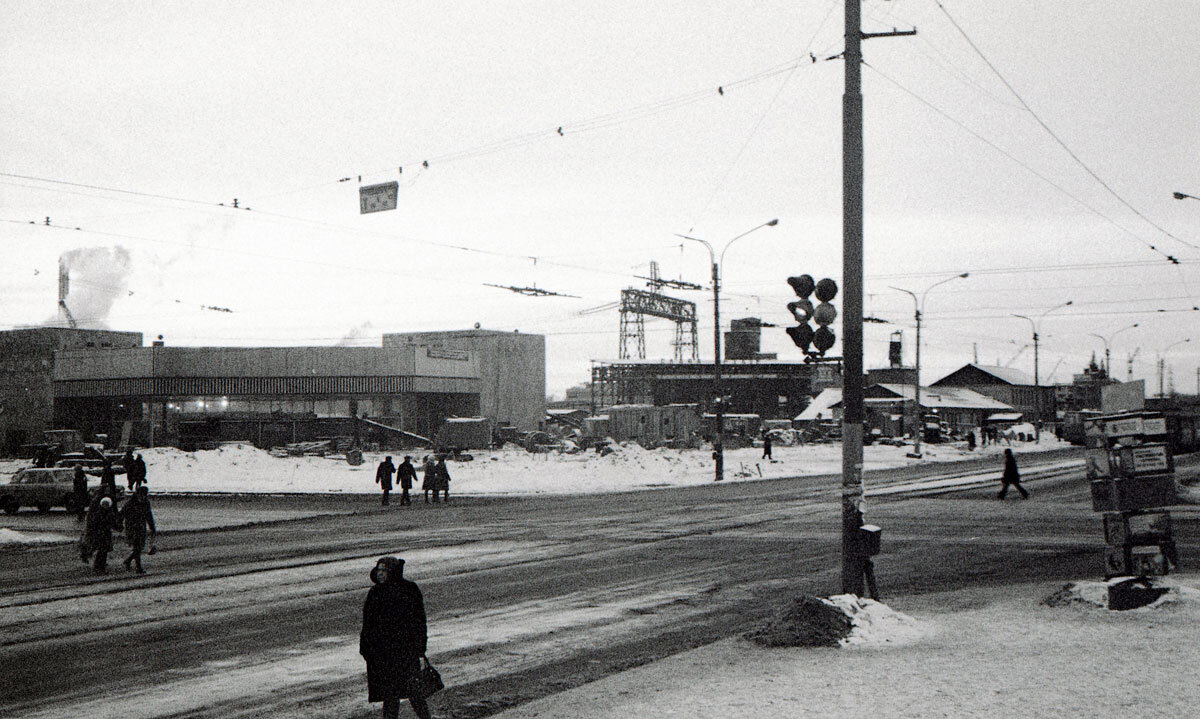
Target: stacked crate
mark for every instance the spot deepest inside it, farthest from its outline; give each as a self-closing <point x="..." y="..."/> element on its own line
<point x="1132" y="476"/>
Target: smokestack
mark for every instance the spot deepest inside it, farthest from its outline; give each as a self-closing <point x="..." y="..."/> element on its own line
<point x="894" y="356"/>
<point x="101" y="278"/>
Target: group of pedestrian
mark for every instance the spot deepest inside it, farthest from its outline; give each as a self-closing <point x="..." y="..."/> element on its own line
<point x="436" y="481"/>
<point x="135" y="470"/>
<point x="406" y="474"/>
<point x="103" y="518"/>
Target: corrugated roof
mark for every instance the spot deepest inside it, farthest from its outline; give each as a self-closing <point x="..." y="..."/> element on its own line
<point x="819" y="408"/>
<point x="1007" y="375"/>
<point x="950" y="397"/>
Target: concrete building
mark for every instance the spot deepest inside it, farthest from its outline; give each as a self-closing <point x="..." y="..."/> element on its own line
<point x="162" y="389"/>
<point x="512" y="369"/>
<point x="769" y="389"/>
<point x="1010" y="386"/>
<point x="27" y="362"/>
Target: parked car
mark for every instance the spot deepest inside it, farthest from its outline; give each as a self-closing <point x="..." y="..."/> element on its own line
<point x="43" y="488"/>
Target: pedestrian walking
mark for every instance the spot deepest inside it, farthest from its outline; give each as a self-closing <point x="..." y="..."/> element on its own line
<point x="406" y="474"/>
<point x="383" y="477"/>
<point x="79" y="493"/>
<point x="971" y="441"/>
<point x="108" y="479"/>
<point x="127" y="462"/>
<point x="443" y="479"/>
<point x="430" y="481"/>
<point x="139" y="523"/>
<point x="766" y="445"/>
<point x="139" y="471"/>
<point x="1011" y="476"/>
<point x="393" y="638"/>
<point x="102" y="519"/>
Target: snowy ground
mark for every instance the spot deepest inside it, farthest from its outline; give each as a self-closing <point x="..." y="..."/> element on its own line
<point x="243" y="468"/>
<point x="993" y="652"/>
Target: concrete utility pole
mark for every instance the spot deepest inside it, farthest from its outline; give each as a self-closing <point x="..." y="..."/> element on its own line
<point x="1106" y="340"/>
<point x="718" y="390"/>
<point x="852" y="300"/>
<point x="920" y="308"/>
<point x="1037" y="385"/>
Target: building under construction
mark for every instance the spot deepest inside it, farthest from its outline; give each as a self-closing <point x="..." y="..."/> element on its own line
<point x="752" y="382"/>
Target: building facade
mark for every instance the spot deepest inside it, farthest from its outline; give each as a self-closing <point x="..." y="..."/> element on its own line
<point x="512" y="370"/>
<point x="159" y="390"/>
<point x="27" y="361"/>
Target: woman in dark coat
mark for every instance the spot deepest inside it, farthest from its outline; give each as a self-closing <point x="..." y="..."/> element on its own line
<point x="102" y="519"/>
<point x="1011" y="476"/>
<point x="443" y="479"/>
<point x="430" y="482"/>
<point x="393" y="638"/>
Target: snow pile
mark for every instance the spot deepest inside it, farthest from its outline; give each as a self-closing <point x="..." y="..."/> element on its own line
<point x="12" y="536"/>
<point x="807" y="622"/>
<point x="840" y="620"/>
<point x="875" y="622"/>
<point x="1095" y="594"/>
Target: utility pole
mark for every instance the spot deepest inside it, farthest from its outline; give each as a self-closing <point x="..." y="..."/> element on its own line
<point x="852" y="302"/>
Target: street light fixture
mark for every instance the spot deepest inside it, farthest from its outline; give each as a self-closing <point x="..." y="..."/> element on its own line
<point x="1106" y="340"/>
<point x="1037" y="388"/>
<point x="919" y="306"/>
<point x="719" y="437"/>
<point x="1162" y="363"/>
<point x="1184" y="195"/>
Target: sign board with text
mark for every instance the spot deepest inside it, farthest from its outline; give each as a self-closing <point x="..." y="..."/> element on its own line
<point x="377" y="198"/>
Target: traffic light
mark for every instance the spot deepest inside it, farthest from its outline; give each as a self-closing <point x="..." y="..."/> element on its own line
<point x="823" y="314"/>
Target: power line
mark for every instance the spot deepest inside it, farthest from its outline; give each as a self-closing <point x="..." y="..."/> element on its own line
<point x="1054" y="135"/>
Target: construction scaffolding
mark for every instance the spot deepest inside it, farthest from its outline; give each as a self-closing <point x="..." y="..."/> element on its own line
<point x="636" y="304"/>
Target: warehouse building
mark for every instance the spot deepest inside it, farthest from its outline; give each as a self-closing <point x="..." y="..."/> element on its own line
<point x="27" y="360"/>
<point x="108" y="383"/>
<point x="512" y="370"/>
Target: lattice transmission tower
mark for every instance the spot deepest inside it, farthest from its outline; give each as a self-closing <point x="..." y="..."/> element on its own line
<point x="636" y="304"/>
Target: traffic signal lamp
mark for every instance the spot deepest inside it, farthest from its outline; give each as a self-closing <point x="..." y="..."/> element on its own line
<point x="812" y="343"/>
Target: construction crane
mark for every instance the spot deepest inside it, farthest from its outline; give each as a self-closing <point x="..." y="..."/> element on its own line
<point x="1129" y="364"/>
<point x="1017" y="355"/>
<point x="64" y="288"/>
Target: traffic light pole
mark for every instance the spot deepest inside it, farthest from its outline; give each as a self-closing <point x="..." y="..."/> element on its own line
<point x="852" y="282"/>
<point x="852" y="325"/>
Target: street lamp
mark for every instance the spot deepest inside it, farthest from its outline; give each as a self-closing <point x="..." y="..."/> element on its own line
<point x="1184" y="195"/>
<point x="719" y="438"/>
<point x="1106" y="340"/>
<point x="1037" y="424"/>
<point x="919" y="310"/>
<point x="1162" y="363"/>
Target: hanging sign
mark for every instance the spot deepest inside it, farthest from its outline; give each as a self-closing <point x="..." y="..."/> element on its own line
<point x="377" y="198"/>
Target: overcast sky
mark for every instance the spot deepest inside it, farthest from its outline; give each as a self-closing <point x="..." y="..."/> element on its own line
<point x="134" y="121"/>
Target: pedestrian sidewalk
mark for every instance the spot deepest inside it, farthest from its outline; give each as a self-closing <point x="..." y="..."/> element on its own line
<point x="994" y="652"/>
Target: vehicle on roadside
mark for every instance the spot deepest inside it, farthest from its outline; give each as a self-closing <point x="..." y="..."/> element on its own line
<point x="43" y="488"/>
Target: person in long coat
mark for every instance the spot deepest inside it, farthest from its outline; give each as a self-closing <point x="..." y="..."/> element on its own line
<point x="430" y="482"/>
<point x="102" y="519"/>
<point x="1011" y="476"/>
<point x="443" y="479"/>
<point x="383" y="477"/>
<point x="393" y="638"/>
<point x="79" y="492"/>
<point x="138" y="518"/>
<point x="407" y="475"/>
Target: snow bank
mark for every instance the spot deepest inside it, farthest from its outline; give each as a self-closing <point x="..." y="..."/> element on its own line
<point x="873" y="622"/>
<point x="1095" y="594"/>
<point x="12" y="536"/>
<point x="236" y="467"/>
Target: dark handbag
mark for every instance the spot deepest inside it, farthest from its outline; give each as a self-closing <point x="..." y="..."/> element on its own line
<point x="425" y="681"/>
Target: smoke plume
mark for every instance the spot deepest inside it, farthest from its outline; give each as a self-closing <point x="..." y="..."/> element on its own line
<point x="98" y="277"/>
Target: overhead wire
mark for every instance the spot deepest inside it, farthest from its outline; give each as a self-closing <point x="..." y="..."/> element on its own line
<point x="1020" y="162"/>
<point x="1074" y="156"/>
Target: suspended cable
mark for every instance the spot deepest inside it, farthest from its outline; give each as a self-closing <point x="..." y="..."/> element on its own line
<point x="1020" y="162"/>
<point x="1054" y="135"/>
